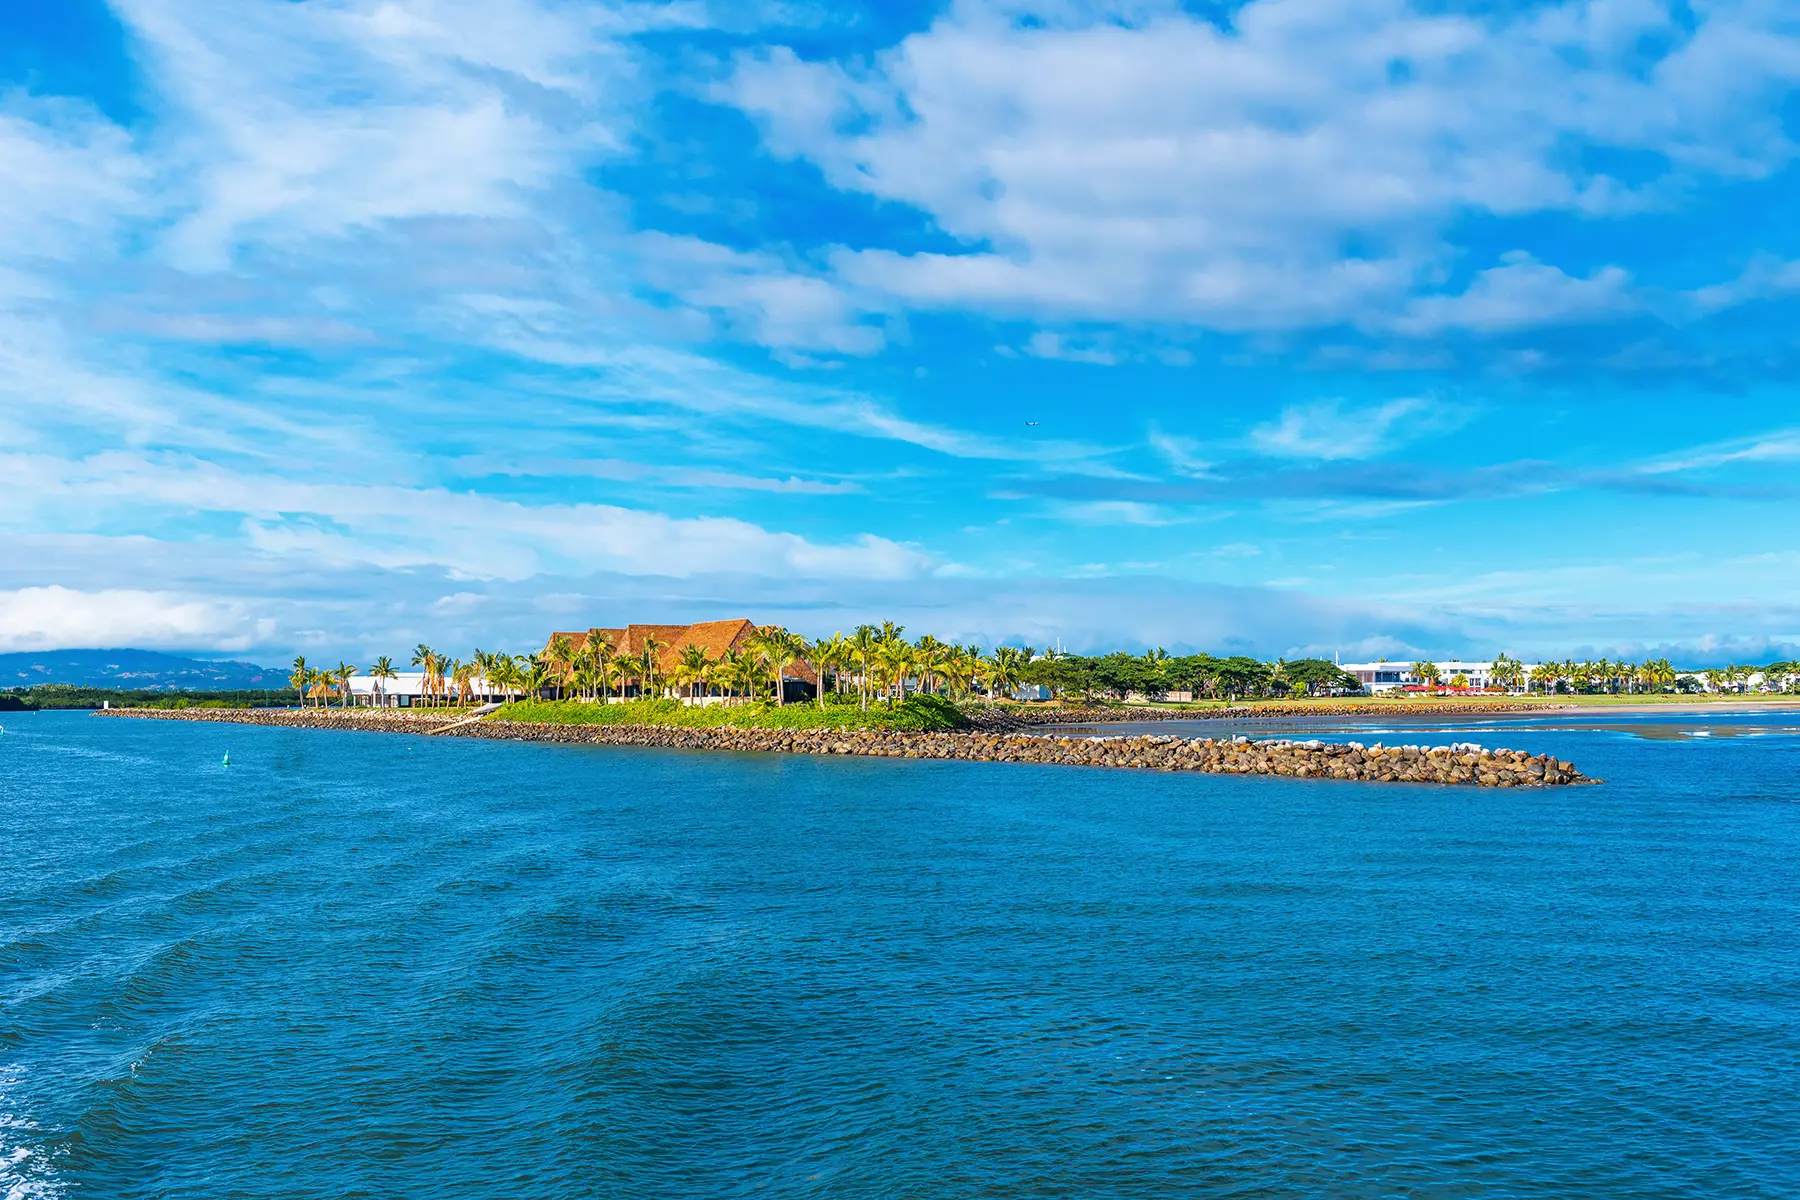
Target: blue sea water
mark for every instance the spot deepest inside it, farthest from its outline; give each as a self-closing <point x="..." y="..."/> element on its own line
<point x="364" y="965"/>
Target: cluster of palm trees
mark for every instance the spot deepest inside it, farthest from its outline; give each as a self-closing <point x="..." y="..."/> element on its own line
<point x="880" y="662"/>
<point x="1603" y="675"/>
<point x="881" y="665"/>
<point x="877" y="661"/>
<point x="317" y="685"/>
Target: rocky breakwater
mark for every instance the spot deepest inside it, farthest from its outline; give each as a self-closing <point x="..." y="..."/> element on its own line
<point x="1454" y="764"/>
<point x="1027" y="716"/>
<point x="1460" y="763"/>
<point x="372" y="720"/>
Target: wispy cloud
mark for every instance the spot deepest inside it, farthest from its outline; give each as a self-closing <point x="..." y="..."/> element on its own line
<point x="1330" y="430"/>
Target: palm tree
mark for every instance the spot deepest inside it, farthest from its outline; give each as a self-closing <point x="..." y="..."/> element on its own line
<point x="535" y="674"/>
<point x="1425" y="672"/>
<point x="648" y="661"/>
<point x="425" y="658"/>
<point x="341" y="676"/>
<point x="894" y="659"/>
<point x="932" y="658"/>
<point x="561" y="656"/>
<point x="463" y="675"/>
<point x="862" y="644"/>
<point x="831" y="654"/>
<point x="503" y="673"/>
<point x="778" y="648"/>
<point x="601" y="644"/>
<point x="1002" y="669"/>
<point x="960" y="668"/>
<point x="383" y="669"/>
<point x="693" y="666"/>
<point x="301" y="677"/>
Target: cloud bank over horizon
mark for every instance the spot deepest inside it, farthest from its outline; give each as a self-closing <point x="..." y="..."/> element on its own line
<point x="1311" y="326"/>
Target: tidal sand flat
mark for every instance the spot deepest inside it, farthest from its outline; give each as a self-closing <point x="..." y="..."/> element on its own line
<point x="396" y="966"/>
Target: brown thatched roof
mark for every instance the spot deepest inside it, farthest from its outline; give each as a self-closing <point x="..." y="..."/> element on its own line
<point x="714" y="637"/>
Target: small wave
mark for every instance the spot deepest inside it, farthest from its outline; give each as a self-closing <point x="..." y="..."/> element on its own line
<point x="26" y="1168"/>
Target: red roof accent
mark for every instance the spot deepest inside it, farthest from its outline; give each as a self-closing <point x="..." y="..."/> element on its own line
<point x="714" y="637"/>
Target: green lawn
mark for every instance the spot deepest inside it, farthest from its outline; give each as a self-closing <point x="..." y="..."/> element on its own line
<point x="917" y="714"/>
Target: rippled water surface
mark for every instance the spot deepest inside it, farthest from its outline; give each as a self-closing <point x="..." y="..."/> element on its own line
<point x="365" y="965"/>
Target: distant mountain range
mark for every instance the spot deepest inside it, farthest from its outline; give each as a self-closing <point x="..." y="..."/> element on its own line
<point x="134" y="669"/>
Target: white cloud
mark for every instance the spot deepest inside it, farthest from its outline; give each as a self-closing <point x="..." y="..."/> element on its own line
<point x="759" y="296"/>
<point x="67" y="178"/>
<point x="479" y="537"/>
<point x="1330" y="431"/>
<point x="1301" y="166"/>
<point x="1775" y="446"/>
<point x="1055" y="346"/>
<point x="43" y="618"/>
<point x="289" y="121"/>
<point x="1523" y="293"/>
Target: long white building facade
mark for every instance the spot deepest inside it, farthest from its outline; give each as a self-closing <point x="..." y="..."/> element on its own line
<point x="1392" y="676"/>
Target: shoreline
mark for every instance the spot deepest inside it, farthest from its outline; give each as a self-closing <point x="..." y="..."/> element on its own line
<point x="1462" y="764"/>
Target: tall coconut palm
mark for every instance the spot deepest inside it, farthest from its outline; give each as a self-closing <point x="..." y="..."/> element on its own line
<point x="893" y="661"/>
<point x="1426" y="673"/>
<point x="301" y="677"/>
<point x="831" y="654"/>
<point x="1001" y="671"/>
<point x="931" y="658"/>
<point x="560" y="655"/>
<point x="486" y="663"/>
<point x="693" y="667"/>
<point x="535" y="674"/>
<point x="341" y="675"/>
<point x="601" y="644"/>
<point x="382" y="670"/>
<point x="959" y="669"/>
<point x="425" y="658"/>
<point x="863" y="644"/>
<point x="650" y="662"/>
<point x="779" y="648"/>
<point x="503" y="673"/>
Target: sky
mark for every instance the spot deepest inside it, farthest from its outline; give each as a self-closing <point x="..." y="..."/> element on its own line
<point x="1282" y="327"/>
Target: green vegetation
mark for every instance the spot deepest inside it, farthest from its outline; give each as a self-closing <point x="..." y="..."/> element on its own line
<point x="1157" y="673"/>
<point x="64" y="695"/>
<point x="877" y="666"/>
<point x="915" y="714"/>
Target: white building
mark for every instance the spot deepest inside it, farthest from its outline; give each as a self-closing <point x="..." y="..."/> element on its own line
<point x="1393" y="676"/>
<point x="405" y="689"/>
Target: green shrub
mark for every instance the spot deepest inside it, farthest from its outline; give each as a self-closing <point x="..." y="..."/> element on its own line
<point x="917" y="714"/>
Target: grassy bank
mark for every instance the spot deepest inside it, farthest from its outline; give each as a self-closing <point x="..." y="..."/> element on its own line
<point x="917" y="714"/>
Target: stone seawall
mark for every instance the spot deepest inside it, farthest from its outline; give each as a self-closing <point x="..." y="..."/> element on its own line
<point x="1454" y="764"/>
<point x="1010" y="717"/>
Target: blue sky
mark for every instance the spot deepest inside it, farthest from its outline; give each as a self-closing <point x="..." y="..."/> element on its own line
<point x="1289" y="326"/>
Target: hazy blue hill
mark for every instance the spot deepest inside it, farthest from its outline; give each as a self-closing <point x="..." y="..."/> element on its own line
<point x="133" y="669"/>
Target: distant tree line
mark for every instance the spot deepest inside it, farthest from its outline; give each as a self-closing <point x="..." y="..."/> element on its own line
<point x="66" y="695"/>
<point x="1157" y="673"/>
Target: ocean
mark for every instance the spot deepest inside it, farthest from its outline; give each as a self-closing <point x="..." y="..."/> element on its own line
<point x="370" y="965"/>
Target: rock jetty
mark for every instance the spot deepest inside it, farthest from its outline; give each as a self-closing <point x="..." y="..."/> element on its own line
<point x="1027" y="716"/>
<point x="1458" y="763"/>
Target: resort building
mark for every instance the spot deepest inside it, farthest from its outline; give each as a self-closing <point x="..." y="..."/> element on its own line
<point x="1398" y="676"/>
<point x="406" y="689"/>
<point x="713" y="638"/>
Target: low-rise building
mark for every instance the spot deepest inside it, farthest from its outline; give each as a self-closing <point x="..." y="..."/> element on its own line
<point x="407" y="689"/>
<point x="1399" y="676"/>
<point x="712" y="638"/>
